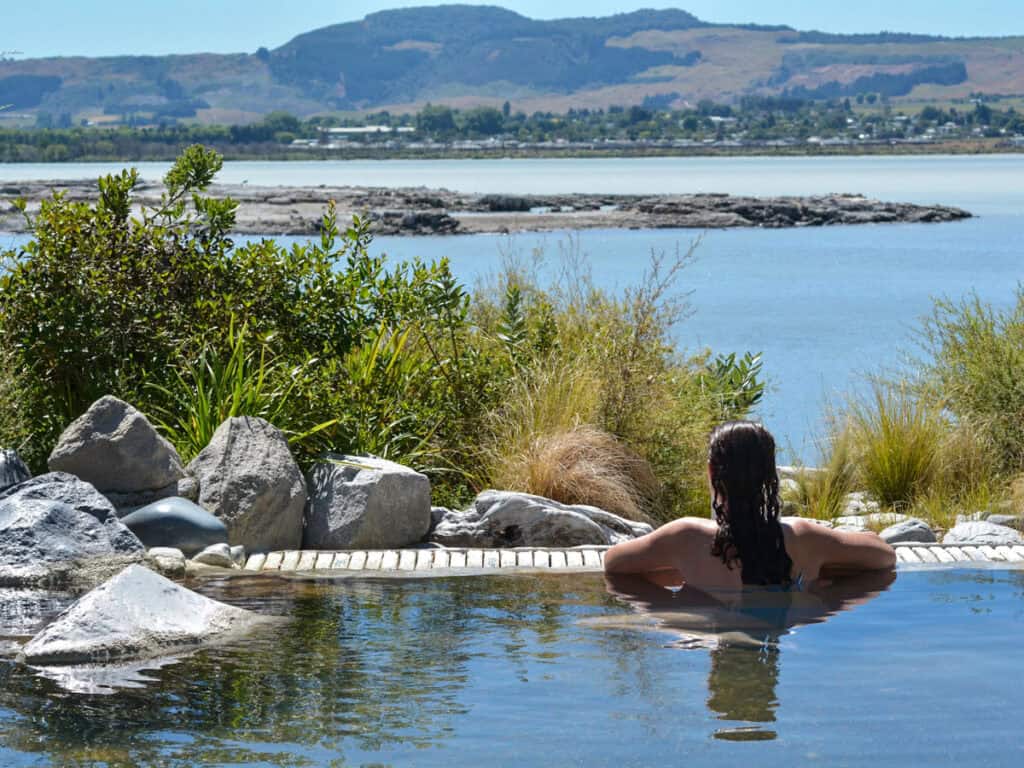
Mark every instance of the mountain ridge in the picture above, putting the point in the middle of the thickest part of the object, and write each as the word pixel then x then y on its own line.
pixel 467 55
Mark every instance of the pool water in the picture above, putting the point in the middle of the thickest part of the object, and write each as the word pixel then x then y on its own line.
pixel 552 670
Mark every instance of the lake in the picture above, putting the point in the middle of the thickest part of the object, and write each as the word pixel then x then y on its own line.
pixel 825 306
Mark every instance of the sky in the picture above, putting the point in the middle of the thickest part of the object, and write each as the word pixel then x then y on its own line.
pixel 111 27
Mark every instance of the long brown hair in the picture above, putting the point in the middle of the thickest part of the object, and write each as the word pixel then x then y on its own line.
pixel 745 490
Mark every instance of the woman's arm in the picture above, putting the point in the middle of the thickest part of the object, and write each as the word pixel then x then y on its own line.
pixel 657 551
pixel 844 551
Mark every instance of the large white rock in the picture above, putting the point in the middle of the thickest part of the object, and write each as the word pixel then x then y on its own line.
pixel 249 479
pixel 136 614
pixel 356 502
pixel 506 519
pixel 114 447
pixel 980 533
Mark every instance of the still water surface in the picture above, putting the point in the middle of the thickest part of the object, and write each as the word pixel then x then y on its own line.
pixel 824 306
pixel 556 670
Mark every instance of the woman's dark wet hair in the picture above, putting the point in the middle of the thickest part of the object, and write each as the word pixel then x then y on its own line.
pixel 745 499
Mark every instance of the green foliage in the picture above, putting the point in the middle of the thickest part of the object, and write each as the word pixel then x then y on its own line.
pixel 898 443
pixel 975 369
pixel 735 383
pixel 821 493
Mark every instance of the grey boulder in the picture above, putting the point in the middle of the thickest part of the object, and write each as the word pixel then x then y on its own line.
pixel 910 529
pixel 137 614
pixel 176 522
pixel 981 533
pixel 43 541
pixel 506 519
pixel 12 469
pixel 114 447
pixel 64 488
pixel 1010 521
pixel 167 560
pixel 365 503
pixel 249 479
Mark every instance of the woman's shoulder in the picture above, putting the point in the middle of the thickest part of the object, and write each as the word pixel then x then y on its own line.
pixel 688 525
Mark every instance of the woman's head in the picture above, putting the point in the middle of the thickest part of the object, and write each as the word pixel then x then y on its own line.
pixel 745 499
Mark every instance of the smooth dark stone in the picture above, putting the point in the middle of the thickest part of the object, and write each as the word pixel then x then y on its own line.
pixel 176 522
pixel 12 469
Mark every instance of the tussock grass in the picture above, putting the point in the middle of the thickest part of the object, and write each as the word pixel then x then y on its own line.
pixel 897 440
pixel 821 494
pixel 584 466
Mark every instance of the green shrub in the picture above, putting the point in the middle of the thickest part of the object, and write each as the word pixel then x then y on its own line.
pixel 975 369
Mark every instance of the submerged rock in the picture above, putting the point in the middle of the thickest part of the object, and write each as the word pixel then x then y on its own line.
pixel 44 541
pixel 137 614
pixel 114 447
pixel 12 469
pixel 506 519
pixel 981 533
pixel 249 479
pixel 365 503
pixel 910 529
pixel 176 522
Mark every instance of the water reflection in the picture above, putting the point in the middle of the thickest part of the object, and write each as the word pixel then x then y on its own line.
pixel 741 631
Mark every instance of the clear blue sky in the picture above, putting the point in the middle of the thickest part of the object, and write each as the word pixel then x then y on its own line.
pixel 105 27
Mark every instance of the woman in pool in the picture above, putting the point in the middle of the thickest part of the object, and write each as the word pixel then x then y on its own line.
pixel 746 543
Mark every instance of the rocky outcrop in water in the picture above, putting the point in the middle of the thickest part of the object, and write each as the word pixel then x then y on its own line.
pixel 422 211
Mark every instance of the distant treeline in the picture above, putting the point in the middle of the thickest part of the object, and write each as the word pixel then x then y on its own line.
pixel 754 118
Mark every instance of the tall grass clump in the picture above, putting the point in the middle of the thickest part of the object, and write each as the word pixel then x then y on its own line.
pixel 898 438
pixel 974 367
pixel 821 492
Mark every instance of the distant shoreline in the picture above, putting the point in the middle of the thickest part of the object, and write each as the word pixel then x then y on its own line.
pixel 230 154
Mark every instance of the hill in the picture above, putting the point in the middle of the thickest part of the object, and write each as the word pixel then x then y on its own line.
pixel 469 55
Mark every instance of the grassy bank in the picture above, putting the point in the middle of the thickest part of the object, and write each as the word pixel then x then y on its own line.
pixel 562 389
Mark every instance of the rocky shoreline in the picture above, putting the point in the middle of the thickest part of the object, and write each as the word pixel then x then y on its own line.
pixel 424 211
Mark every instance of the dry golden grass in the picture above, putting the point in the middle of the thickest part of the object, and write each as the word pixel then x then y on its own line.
pixel 583 465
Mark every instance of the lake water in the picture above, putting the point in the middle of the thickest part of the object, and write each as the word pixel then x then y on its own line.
pixel 824 306
pixel 554 670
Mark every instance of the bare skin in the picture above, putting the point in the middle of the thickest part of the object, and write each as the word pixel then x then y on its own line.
pixel 680 553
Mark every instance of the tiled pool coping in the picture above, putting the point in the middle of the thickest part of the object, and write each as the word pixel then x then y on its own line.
pixel 447 561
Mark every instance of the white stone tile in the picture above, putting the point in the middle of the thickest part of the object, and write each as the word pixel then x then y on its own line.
pixel 958 554
pixel 407 559
pixel 341 561
pixel 507 558
pixel 524 558
pixel 441 558
pixel 1008 554
pixel 357 561
pixel 558 559
pixel 591 559
pixel 974 553
pixel 255 562
pixel 574 559
pixel 475 558
pixel 458 559
pixel 307 560
pixel 389 560
pixel 991 553
pixel 905 555
pixel 492 558
pixel 373 560
pixel 273 561
pixel 942 554
pixel 324 561
pixel 925 553
pixel 290 561
pixel 424 559
pixel 541 558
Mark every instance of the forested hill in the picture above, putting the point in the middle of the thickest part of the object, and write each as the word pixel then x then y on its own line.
pixel 468 55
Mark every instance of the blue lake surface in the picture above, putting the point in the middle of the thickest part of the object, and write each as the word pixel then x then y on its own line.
pixel 555 670
pixel 825 306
